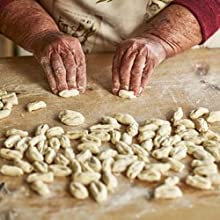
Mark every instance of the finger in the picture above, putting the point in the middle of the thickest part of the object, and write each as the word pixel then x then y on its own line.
pixel 70 66
pixel 59 71
pixel 49 74
pixel 148 70
pixel 116 70
pixel 137 71
pixel 126 67
pixel 81 71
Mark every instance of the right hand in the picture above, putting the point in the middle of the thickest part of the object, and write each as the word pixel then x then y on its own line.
pixel 63 61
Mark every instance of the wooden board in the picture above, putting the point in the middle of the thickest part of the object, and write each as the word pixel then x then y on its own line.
pixel 177 82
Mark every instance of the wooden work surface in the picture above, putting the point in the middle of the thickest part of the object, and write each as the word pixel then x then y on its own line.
pixel 177 82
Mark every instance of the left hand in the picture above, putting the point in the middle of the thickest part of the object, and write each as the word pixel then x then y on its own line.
pixel 134 61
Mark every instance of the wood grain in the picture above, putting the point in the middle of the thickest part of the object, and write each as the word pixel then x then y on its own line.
pixel 189 80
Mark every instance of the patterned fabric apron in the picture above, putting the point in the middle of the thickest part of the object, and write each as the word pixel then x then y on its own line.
pixel 101 24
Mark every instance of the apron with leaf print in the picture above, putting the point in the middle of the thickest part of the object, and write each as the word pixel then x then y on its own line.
pixel 101 24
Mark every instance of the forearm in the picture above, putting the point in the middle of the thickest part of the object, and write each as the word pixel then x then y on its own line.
pixel 25 22
pixel 177 29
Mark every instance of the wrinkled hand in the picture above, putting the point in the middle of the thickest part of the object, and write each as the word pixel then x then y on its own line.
pixel 63 61
pixel 133 63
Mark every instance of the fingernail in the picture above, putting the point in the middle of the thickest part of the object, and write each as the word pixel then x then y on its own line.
pixel 81 89
pixel 55 92
pixel 126 87
pixel 140 91
pixel 114 91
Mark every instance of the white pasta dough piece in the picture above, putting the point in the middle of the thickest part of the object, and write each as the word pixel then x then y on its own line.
pixel 36 106
pixel 199 182
pixel 10 154
pixel 10 98
pixel 126 94
pixel 98 191
pixel 14 131
pixel 213 117
pixel 178 114
pixel 24 165
pixel 41 188
pixel 125 119
pixel 54 132
pixel 86 177
pixel 44 177
pixel 135 169
pixel 199 112
pixel 78 190
pixel 4 113
pixel 3 92
pixel 9 170
pixel 71 118
pixel 69 93
pixel 149 175
pixel 201 125
pixel 11 141
pixel 110 180
pixel 167 192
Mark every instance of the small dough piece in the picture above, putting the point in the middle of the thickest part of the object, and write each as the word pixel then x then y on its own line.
pixel 41 188
pixel 3 92
pixel 33 106
pixel 83 156
pixel 4 113
pixel 201 125
pixel 162 152
pixel 54 132
pixel 94 164
pixel 121 165
pixel 107 153
pixel 135 169
pixel 14 131
pixel 33 154
pixel 178 115
pixel 110 180
pixel 107 164
pixel 10 98
pixel 10 154
pixel 125 94
pixel 199 112
pixel 98 191
pixel 172 180
pixel 41 129
pixel 199 182
pixel 11 141
pixel 1 105
pixel 176 165
pixel 213 117
pixel 60 170
pixel 126 138
pixel 44 177
pixel 150 175
pixel 166 191
pixel 69 93
pixel 91 146
pixel 186 122
pixel 125 119
pixel 10 170
pixel 24 165
pixel 71 118
pixel 123 148
pixel 78 190
pixel 110 120
pixel 86 177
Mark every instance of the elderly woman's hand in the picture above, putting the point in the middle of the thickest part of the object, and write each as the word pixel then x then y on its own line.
pixel 63 61
pixel 134 61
